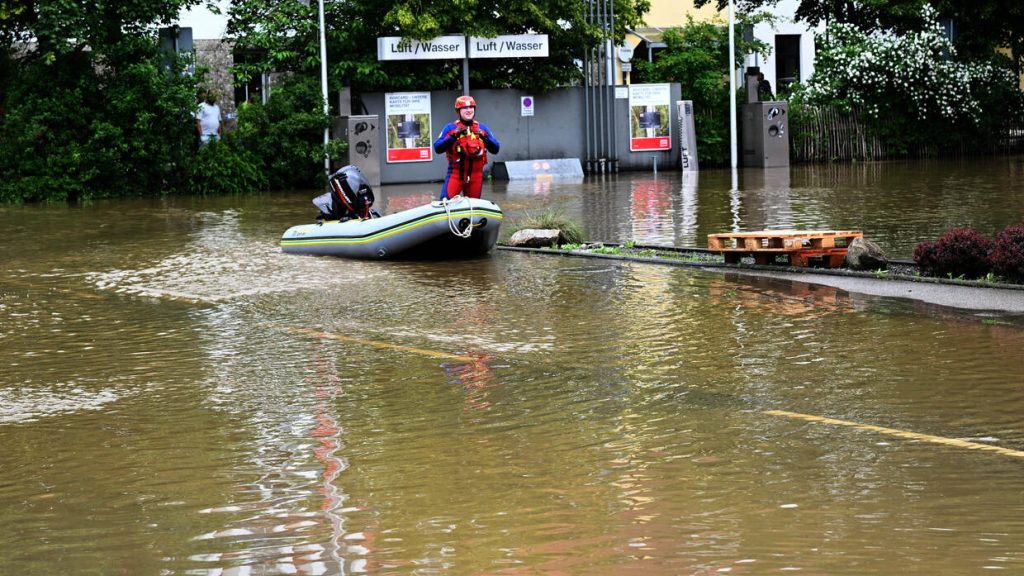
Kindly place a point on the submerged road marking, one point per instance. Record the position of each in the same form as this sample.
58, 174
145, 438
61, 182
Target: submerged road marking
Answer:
376, 343
900, 433
797, 415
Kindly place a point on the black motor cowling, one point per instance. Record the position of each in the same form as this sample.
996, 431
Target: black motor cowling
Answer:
350, 196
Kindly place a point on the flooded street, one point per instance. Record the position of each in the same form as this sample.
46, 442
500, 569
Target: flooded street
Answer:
178, 397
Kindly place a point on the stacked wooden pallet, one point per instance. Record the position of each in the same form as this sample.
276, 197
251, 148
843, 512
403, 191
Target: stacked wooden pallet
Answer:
799, 247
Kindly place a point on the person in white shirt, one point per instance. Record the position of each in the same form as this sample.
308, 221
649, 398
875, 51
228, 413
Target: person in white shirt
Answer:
208, 124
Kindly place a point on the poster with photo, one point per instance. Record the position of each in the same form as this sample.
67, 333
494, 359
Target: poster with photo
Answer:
650, 126
408, 127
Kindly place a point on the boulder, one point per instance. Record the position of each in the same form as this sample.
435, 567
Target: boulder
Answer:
534, 238
865, 255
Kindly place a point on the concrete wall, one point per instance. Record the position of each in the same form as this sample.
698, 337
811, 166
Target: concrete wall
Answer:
557, 130
216, 56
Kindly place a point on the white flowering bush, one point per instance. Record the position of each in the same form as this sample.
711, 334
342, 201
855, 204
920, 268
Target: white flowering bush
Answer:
911, 82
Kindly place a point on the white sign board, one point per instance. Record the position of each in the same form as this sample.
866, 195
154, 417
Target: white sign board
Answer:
515, 46
440, 48
408, 126
626, 53
649, 126
526, 106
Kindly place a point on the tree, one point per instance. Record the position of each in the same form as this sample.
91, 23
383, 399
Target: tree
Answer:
88, 109
283, 36
913, 86
61, 27
285, 134
697, 57
981, 26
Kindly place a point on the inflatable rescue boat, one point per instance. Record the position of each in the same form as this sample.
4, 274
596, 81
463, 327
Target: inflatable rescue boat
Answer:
349, 227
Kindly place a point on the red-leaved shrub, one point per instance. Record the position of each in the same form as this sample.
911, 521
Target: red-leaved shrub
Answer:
959, 252
926, 256
1008, 255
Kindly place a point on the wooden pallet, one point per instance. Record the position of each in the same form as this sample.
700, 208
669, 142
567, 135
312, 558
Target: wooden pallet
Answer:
798, 246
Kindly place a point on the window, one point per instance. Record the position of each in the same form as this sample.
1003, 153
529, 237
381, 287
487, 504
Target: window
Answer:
787, 61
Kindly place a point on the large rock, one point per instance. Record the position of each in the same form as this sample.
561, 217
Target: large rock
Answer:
865, 255
534, 238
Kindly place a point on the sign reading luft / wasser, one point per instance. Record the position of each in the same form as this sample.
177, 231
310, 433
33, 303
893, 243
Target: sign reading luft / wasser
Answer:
517, 46
446, 47
440, 48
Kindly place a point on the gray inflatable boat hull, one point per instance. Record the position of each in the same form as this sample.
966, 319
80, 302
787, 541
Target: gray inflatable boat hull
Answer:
424, 231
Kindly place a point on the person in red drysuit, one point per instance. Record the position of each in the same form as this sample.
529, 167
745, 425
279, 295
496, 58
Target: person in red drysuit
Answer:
466, 143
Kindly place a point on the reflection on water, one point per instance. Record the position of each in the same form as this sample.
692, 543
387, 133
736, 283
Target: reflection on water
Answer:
896, 204
179, 397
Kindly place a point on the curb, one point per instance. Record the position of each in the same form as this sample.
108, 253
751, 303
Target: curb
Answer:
838, 272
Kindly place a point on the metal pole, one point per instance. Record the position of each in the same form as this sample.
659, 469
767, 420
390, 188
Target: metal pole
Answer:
732, 85
323, 88
613, 83
588, 127
586, 110
602, 63
465, 74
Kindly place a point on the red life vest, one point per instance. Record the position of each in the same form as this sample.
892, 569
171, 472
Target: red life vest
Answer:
469, 146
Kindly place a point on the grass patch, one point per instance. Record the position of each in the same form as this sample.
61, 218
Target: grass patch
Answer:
992, 322
569, 232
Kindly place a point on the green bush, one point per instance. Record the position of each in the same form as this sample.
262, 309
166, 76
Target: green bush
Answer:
82, 125
286, 134
914, 88
223, 168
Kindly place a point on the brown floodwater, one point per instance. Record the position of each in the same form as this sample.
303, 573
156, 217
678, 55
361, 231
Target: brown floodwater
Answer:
178, 397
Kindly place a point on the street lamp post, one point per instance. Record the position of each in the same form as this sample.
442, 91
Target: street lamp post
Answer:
732, 86
323, 87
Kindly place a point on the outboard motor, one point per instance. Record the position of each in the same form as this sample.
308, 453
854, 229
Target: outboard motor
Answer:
350, 197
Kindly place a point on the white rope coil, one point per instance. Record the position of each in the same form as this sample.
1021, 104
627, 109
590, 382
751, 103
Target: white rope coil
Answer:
452, 224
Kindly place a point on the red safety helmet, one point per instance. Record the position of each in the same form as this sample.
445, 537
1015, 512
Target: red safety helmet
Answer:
464, 102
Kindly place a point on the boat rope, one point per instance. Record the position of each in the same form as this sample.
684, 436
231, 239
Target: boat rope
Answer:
452, 225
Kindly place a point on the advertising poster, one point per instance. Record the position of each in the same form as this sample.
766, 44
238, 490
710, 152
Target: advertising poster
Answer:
649, 119
408, 127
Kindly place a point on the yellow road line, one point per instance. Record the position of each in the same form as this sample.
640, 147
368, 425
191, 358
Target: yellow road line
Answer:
900, 433
375, 343
807, 417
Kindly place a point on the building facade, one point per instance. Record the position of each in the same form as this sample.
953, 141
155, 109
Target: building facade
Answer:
792, 43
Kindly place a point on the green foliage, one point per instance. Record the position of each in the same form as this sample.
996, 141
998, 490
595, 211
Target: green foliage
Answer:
282, 35
60, 28
982, 26
223, 168
85, 124
912, 87
285, 136
697, 57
